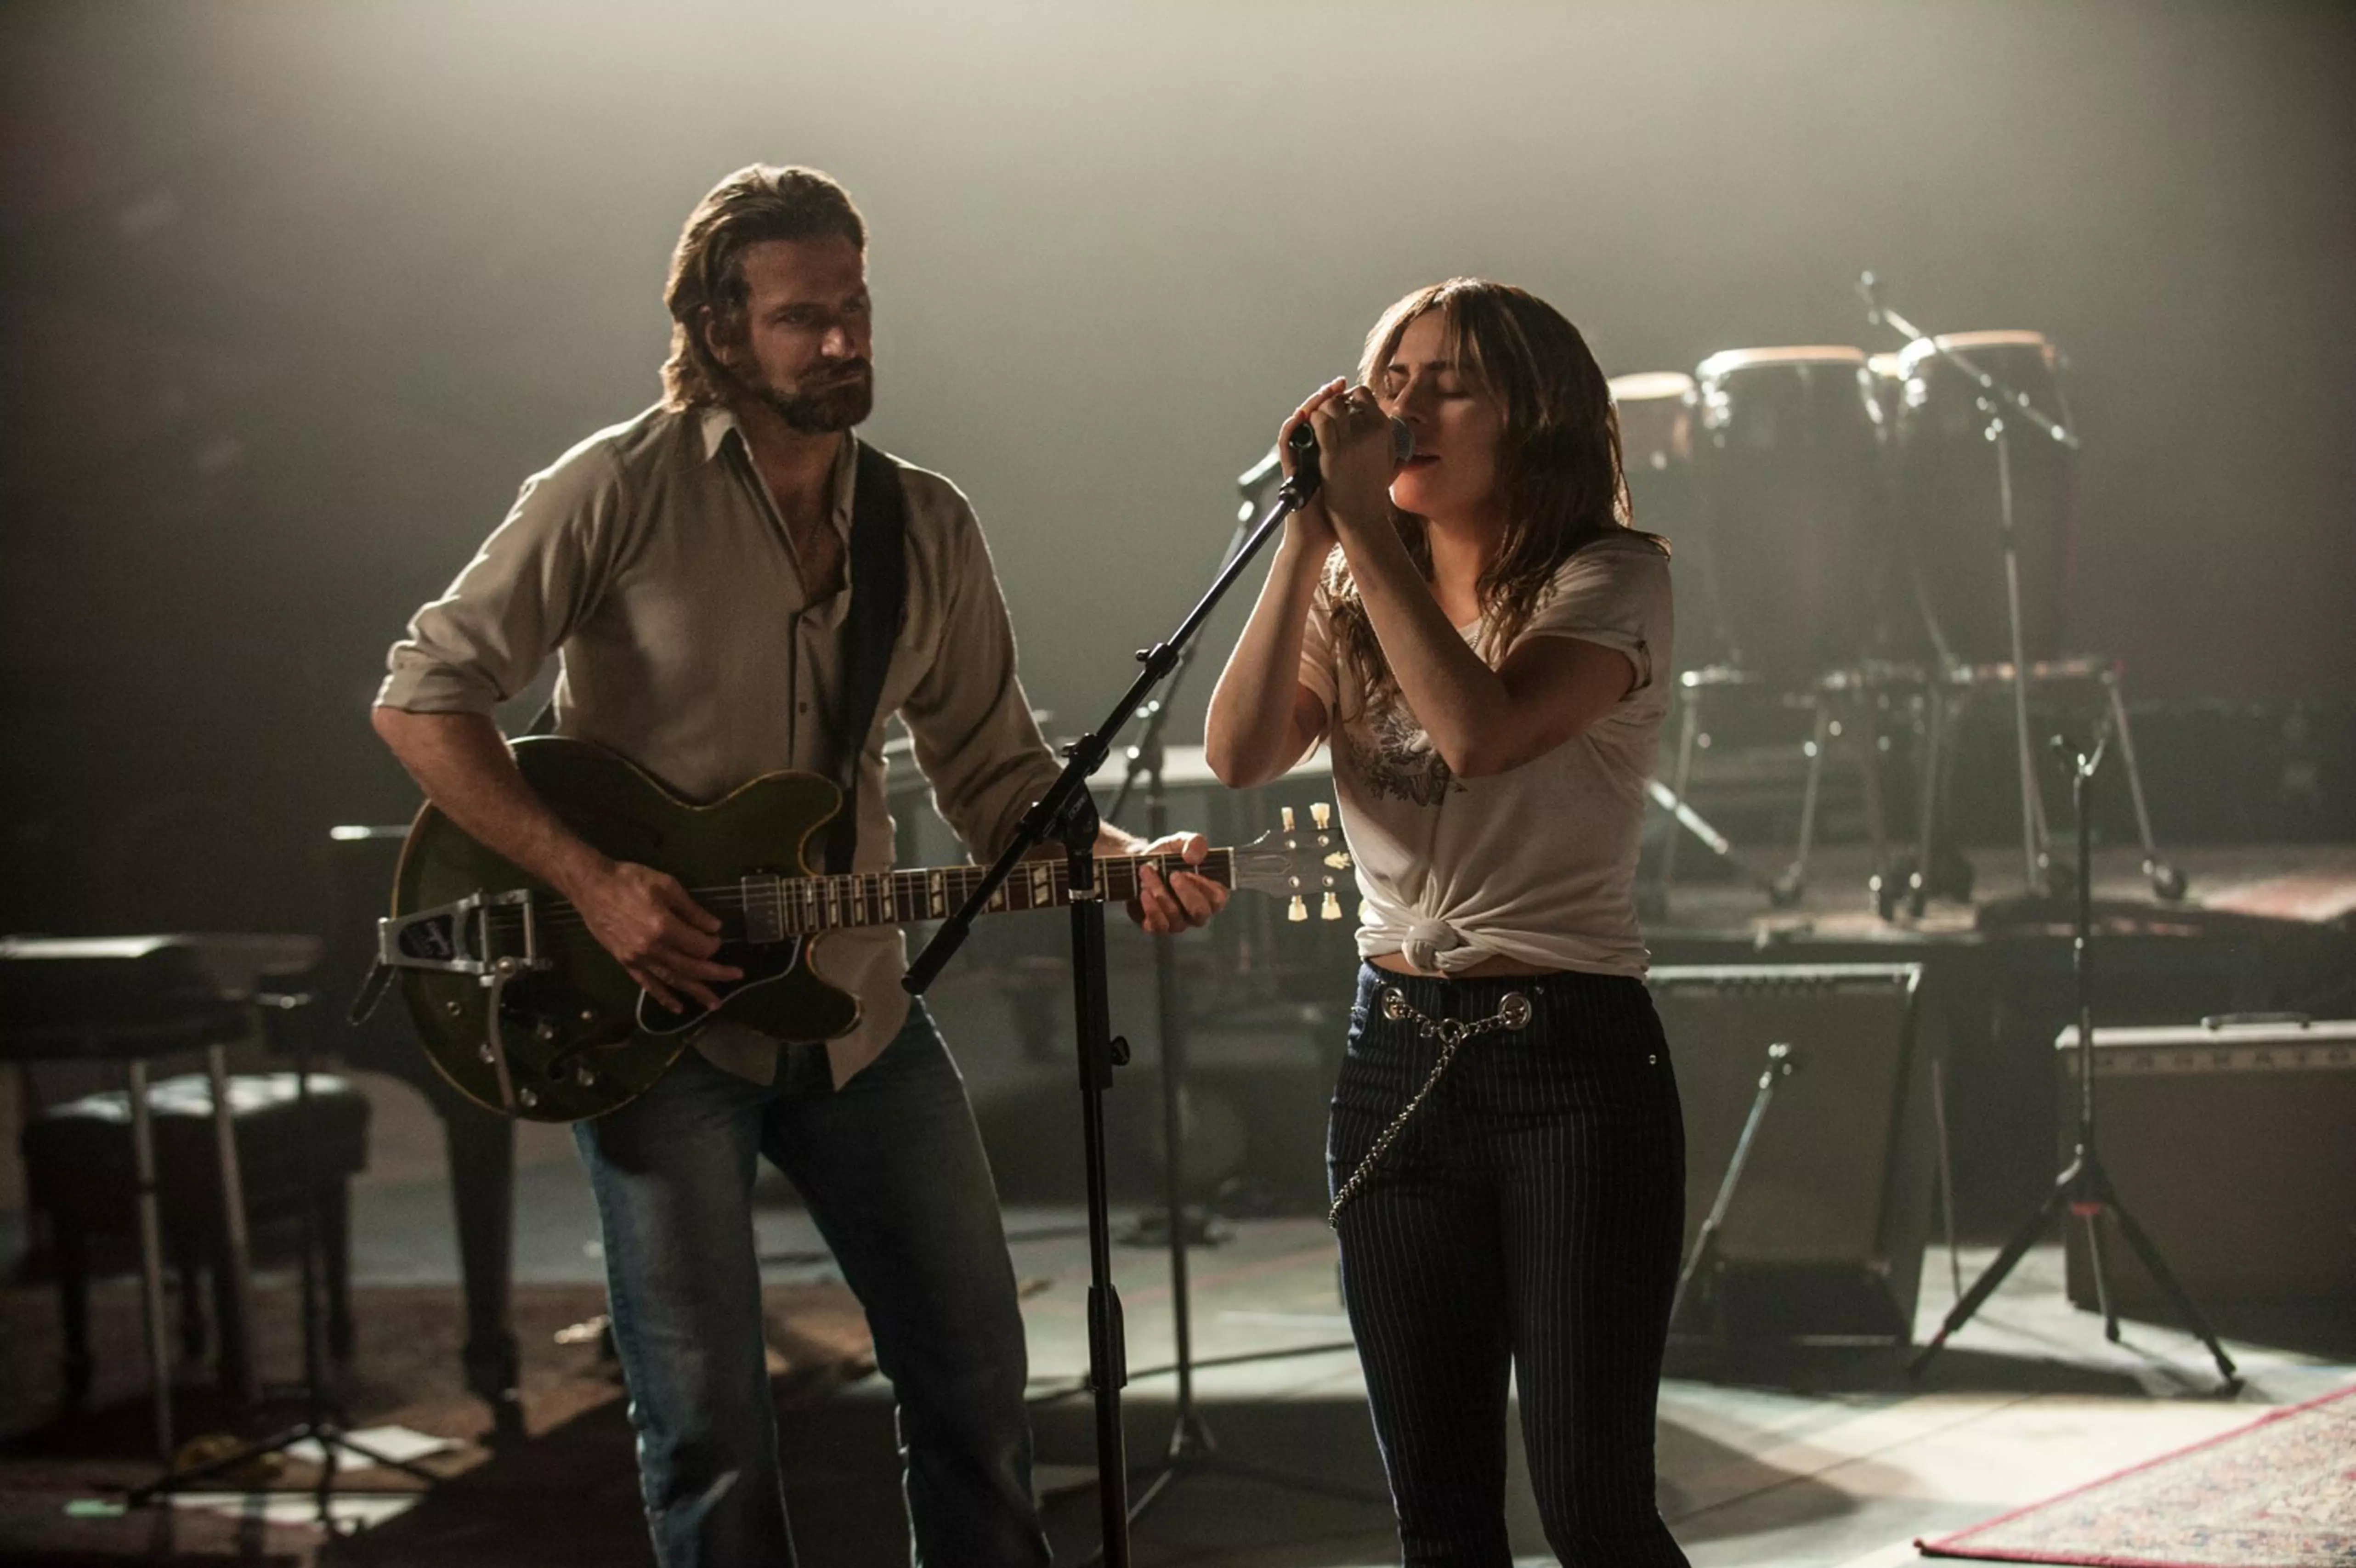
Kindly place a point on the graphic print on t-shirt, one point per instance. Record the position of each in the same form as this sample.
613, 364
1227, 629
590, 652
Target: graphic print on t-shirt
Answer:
1402, 761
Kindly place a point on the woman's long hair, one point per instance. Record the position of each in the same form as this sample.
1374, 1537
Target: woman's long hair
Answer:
1558, 475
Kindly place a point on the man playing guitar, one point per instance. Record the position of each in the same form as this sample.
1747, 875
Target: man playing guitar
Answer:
695, 570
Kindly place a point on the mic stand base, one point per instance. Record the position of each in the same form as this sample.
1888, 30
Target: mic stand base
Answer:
322, 1421
2084, 1186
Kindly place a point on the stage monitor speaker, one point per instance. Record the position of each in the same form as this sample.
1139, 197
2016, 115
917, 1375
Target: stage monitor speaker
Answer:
2234, 1143
1824, 1237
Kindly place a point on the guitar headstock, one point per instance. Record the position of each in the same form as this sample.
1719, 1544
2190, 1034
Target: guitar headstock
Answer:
1294, 863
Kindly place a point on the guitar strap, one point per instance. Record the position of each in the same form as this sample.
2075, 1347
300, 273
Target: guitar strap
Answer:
879, 606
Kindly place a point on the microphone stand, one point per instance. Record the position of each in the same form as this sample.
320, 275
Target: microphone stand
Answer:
1068, 813
1193, 1449
1996, 400
2084, 1187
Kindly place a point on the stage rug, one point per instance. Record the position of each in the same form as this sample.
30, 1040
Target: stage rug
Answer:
2280, 1493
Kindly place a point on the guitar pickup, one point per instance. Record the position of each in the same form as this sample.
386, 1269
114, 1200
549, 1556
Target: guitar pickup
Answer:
765, 908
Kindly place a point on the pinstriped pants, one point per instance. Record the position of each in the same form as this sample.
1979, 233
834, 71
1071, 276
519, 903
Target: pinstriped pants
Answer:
1527, 1221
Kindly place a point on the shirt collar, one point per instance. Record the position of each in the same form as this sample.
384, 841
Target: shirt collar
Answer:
718, 423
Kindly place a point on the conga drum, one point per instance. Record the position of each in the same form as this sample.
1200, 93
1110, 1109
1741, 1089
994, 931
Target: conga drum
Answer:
1794, 507
1949, 507
1656, 411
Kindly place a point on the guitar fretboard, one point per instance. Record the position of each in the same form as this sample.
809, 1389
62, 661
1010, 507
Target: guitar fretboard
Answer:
777, 907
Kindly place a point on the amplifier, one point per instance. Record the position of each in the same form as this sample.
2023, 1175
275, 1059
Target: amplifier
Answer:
2234, 1142
1824, 1237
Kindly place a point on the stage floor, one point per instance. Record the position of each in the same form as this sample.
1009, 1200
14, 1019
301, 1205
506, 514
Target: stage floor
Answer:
2307, 883
1831, 1460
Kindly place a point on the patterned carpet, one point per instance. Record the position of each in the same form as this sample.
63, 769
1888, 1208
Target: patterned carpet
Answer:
2280, 1493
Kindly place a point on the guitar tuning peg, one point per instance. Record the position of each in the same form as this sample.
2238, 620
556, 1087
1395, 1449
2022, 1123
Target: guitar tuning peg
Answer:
1285, 815
1333, 909
1322, 815
1298, 909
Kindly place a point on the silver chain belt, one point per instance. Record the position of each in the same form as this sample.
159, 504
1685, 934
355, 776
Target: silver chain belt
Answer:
1512, 1011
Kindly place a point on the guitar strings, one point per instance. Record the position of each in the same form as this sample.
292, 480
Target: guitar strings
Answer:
563, 914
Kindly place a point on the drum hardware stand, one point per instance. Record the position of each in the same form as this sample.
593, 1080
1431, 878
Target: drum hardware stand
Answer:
321, 1422
1069, 813
1944, 713
1856, 686
1672, 797
1998, 400
1786, 888
2084, 1187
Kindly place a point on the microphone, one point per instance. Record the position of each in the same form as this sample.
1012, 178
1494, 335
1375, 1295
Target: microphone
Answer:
1306, 477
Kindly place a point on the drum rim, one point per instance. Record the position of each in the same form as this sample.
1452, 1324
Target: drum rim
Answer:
1921, 349
1728, 360
1651, 386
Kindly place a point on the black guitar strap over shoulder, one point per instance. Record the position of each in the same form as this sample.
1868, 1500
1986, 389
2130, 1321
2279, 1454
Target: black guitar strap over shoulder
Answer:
879, 607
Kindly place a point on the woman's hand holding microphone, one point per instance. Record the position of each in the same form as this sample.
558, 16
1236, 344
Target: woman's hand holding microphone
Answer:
1357, 456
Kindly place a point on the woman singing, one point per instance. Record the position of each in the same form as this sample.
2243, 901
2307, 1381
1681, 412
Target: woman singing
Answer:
1485, 643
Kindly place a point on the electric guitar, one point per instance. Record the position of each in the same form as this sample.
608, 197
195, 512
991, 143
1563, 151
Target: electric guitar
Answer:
524, 1013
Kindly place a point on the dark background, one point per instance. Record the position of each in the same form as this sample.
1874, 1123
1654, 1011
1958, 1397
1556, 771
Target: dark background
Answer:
295, 295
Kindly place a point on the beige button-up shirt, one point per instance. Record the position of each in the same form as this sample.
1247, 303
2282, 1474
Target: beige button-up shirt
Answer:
651, 559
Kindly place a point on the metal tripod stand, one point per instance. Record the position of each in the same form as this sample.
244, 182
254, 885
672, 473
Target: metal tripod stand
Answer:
2084, 1186
322, 1421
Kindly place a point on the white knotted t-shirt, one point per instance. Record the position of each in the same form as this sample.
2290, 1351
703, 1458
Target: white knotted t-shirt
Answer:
1539, 863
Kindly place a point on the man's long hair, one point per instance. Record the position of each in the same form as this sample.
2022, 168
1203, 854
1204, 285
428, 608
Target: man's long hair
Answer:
1558, 474
707, 269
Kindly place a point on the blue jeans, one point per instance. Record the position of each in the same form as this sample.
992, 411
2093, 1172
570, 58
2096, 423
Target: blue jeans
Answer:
893, 1171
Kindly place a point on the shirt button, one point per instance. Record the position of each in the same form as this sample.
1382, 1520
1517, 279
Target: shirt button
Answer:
805, 707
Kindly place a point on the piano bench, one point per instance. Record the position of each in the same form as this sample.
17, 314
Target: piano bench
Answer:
79, 1173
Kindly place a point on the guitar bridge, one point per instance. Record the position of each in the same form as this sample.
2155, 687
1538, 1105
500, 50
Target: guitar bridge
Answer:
457, 938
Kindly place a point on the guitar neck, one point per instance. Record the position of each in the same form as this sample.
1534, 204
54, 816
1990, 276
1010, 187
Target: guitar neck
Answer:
778, 908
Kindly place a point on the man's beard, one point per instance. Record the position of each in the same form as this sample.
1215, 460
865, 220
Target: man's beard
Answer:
836, 405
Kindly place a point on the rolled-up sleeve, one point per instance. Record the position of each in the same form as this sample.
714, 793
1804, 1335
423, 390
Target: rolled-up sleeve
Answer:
975, 738
1613, 592
489, 634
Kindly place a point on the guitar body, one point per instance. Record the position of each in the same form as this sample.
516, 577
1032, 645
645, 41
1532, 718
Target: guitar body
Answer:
578, 1039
